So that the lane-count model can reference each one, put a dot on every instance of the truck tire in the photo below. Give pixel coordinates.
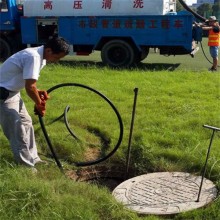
(118, 53)
(141, 55)
(144, 53)
(5, 50)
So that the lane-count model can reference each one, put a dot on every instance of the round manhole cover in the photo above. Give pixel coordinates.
(165, 193)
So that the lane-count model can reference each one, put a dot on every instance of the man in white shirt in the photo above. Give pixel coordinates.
(19, 71)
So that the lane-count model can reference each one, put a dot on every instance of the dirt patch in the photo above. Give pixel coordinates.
(92, 154)
(102, 176)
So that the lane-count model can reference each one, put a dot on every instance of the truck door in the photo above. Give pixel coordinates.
(6, 25)
(4, 15)
(10, 39)
(8, 15)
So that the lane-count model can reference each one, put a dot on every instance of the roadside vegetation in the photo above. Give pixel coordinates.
(176, 97)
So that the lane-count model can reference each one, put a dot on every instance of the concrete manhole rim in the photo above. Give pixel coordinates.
(164, 193)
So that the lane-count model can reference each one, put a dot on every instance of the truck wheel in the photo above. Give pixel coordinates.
(142, 55)
(118, 53)
(5, 50)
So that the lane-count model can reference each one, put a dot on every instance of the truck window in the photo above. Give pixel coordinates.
(46, 28)
(3, 6)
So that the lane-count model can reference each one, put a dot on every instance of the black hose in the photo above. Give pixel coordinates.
(49, 143)
(67, 123)
(87, 163)
(204, 53)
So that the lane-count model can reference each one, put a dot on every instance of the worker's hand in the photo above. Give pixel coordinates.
(43, 95)
(197, 24)
(40, 109)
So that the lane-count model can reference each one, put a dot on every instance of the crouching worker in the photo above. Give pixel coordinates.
(19, 71)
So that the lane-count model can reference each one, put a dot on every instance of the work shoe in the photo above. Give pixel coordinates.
(212, 69)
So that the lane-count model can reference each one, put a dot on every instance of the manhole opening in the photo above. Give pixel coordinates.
(103, 176)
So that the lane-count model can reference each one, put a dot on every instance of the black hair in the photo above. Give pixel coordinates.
(58, 45)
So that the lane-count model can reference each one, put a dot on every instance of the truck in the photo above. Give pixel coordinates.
(122, 30)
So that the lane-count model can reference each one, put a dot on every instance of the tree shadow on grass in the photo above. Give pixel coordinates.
(140, 66)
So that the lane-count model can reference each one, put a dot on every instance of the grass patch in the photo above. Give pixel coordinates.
(173, 104)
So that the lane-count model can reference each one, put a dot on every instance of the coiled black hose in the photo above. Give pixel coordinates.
(86, 163)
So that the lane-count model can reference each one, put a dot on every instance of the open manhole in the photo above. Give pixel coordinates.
(165, 193)
(103, 176)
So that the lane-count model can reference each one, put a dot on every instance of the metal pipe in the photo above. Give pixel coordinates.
(131, 132)
(207, 156)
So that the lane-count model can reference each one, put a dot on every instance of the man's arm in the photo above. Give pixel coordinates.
(33, 93)
(207, 28)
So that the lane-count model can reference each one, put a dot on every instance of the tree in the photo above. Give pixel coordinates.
(179, 7)
(216, 9)
(205, 10)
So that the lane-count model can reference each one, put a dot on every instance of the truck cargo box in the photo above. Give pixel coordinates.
(97, 7)
(149, 30)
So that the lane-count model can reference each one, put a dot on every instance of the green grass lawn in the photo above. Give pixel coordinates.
(176, 97)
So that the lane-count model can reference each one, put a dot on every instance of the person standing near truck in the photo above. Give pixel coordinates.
(19, 71)
(212, 25)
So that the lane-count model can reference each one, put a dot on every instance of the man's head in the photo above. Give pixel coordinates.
(212, 20)
(55, 49)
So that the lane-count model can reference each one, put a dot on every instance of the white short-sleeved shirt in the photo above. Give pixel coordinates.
(25, 64)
